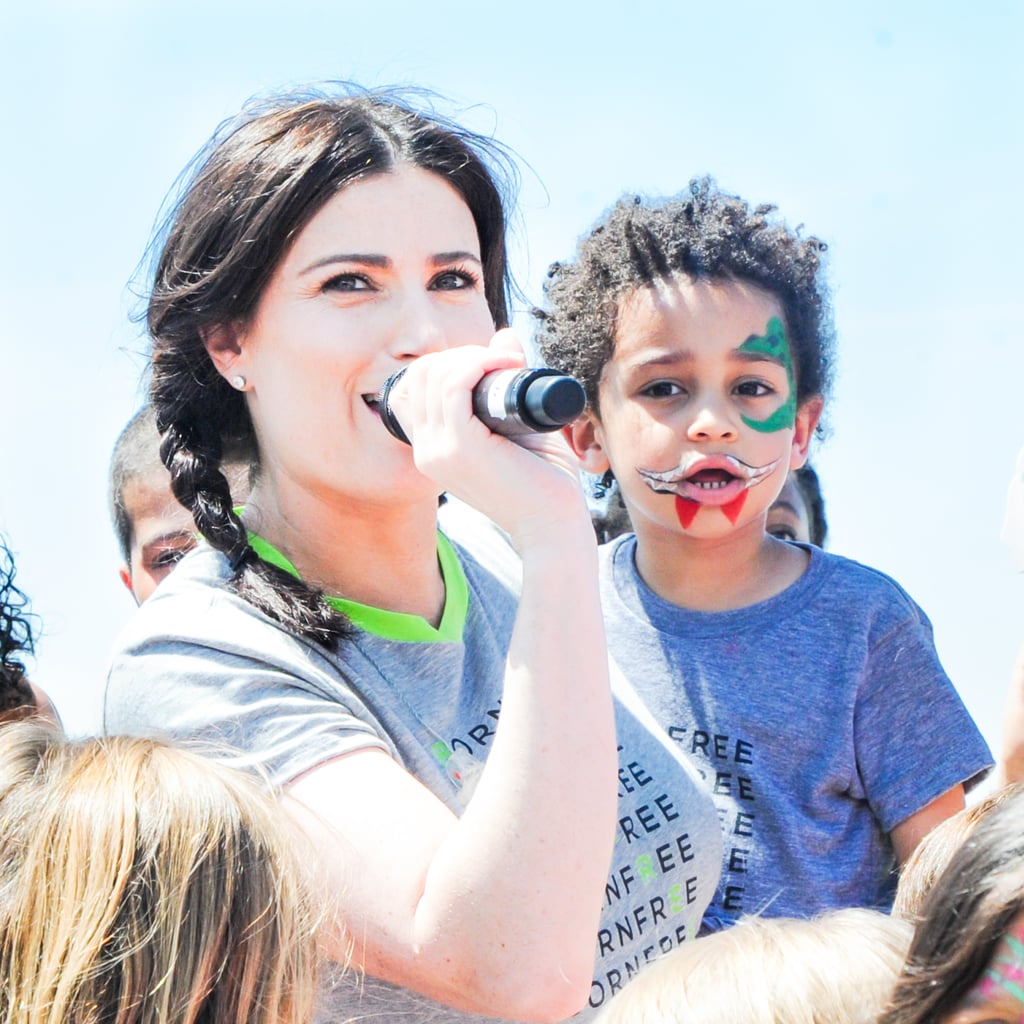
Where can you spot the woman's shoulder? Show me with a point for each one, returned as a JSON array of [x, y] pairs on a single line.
[[194, 623]]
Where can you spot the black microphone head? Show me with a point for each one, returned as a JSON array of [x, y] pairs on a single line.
[[554, 399]]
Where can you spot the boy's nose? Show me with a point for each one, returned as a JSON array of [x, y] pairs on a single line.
[[711, 422]]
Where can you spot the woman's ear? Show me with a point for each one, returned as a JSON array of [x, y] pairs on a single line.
[[223, 346], [807, 416], [585, 438]]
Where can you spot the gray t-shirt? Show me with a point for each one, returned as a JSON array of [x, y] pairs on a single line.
[[198, 664], [819, 719]]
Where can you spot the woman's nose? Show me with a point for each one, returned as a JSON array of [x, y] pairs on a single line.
[[420, 329]]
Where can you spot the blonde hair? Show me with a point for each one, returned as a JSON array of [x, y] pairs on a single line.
[[837, 968], [143, 884]]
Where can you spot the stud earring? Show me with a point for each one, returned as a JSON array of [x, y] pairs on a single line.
[[238, 382]]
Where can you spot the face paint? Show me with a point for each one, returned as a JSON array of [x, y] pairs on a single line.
[[775, 345], [676, 482], [1006, 971], [734, 508], [686, 510], [1002, 981]]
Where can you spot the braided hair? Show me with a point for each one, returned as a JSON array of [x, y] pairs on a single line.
[[703, 233], [262, 178]]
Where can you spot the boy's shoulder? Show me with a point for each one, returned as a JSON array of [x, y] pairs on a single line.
[[847, 575], [830, 583]]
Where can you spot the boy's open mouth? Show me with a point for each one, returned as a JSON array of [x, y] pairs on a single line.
[[708, 479]]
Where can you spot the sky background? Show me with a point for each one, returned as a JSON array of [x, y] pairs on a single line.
[[892, 130]]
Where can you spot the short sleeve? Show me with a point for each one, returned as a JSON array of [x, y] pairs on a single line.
[[913, 736], [262, 699]]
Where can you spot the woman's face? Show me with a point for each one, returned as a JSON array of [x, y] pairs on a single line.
[[997, 997], [388, 270]]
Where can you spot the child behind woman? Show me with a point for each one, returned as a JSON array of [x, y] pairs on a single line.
[[806, 686]]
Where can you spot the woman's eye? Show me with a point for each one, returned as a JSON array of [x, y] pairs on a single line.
[[347, 283], [661, 389], [453, 280], [782, 532]]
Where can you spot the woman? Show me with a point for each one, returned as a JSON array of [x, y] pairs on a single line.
[[144, 885], [331, 633]]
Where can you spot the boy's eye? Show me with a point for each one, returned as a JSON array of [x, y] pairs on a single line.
[[661, 389], [170, 557], [782, 532], [754, 389]]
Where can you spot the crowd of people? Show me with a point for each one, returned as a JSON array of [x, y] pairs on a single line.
[[426, 729]]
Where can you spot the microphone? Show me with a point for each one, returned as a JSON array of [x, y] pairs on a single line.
[[509, 402]]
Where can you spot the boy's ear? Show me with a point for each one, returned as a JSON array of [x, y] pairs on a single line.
[[223, 346], [126, 577], [807, 417], [585, 438]]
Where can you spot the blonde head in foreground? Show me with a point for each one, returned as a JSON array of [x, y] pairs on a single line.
[[143, 884], [839, 968]]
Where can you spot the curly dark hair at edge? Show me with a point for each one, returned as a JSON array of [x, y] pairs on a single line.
[[264, 175], [703, 233], [810, 487], [15, 637], [965, 914]]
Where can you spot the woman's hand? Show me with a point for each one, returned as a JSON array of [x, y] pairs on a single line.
[[525, 485]]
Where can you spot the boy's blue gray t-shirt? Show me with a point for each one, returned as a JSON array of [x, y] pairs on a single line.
[[198, 664], [820, 719]]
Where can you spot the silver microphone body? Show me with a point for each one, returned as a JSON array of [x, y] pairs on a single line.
[[510, 402]]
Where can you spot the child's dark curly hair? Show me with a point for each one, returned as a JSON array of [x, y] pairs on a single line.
[[703, 233], [15, 637]]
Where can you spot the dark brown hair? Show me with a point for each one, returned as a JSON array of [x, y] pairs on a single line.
[[261, 179]]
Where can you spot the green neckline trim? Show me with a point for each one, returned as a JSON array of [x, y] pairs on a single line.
[[396, 625]]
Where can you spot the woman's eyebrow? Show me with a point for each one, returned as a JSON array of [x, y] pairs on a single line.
[[455, 256], [366, 259]]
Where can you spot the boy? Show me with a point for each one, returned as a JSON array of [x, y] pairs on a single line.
[[805, 686], [154, 531]]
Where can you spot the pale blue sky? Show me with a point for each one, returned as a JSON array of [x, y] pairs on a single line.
[[893, 131]]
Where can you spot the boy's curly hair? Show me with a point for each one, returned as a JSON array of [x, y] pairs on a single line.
[[15, 637], [703, 233]]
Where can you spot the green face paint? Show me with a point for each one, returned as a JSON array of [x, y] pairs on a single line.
[[775, 345]]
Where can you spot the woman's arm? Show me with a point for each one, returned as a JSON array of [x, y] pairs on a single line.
[[495, 912]]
